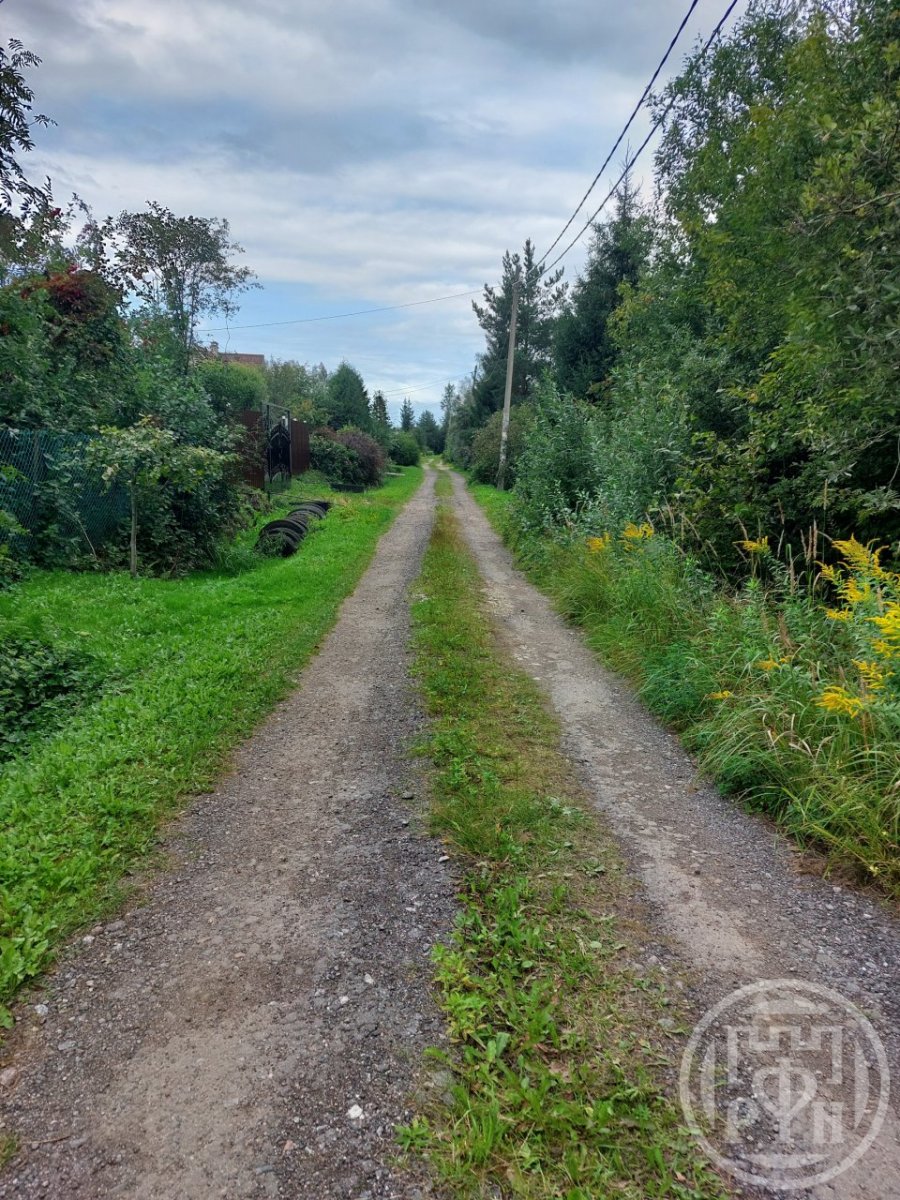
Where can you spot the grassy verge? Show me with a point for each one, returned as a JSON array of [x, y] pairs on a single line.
[[791, 700], [561, 1067], [183, 670]]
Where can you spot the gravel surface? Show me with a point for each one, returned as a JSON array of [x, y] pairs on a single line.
[[255, 1028], [725, 887]]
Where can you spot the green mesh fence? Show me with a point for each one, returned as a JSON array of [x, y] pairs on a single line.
[[48, 497]]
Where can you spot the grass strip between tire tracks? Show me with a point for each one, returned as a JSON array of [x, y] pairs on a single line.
[[562, 1046], [189, 667]]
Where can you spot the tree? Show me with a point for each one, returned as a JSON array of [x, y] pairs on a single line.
[[450, 401], [381, 422], [232, 387], [347, 401], [585, 349], [179, 267], [20, 200], [429, 434], [379, 410], [407, 416], [143, 457], [540, 297], [300, 387]]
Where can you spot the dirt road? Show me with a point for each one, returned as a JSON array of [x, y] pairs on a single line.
[[255, 1027], [722, 885]]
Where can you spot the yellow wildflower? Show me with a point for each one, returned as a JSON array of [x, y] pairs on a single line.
[[889, 623], [598, 544], [838, 614], [719, 695], [769, 664], [838, 700], [755, 546], [871, 672], [637, 533], [828, 572], [883, 649], [859, 557], [853, 593]]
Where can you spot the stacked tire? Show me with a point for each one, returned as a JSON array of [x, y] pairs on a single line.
[[283, 536]]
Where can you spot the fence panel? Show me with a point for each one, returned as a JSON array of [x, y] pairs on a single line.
[[47, 490]]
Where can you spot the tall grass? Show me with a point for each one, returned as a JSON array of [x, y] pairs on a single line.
[[790, 698]]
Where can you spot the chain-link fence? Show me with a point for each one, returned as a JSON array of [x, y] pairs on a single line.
[[48, 498]]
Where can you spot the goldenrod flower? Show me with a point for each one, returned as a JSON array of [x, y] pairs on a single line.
[[871, 672], [889, 622], [769, 664], [853, 593], [838, 614], [755, 546], [725, 695], [838, 700], [860, 558], [598, 544], [637, 533], [828, 572]]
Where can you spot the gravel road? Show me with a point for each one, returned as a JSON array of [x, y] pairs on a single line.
[[255, 1027], [729, 892]]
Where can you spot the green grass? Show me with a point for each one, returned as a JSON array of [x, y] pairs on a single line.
[[741, 677], [562, 1055], [185, 669]]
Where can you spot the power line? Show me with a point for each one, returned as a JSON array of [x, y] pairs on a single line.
[[362, 312], [628, 124], [630, 163]]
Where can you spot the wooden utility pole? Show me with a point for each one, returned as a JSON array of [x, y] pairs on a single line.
[[507, 394]]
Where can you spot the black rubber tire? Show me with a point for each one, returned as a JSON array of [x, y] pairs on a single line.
[[288, 533]]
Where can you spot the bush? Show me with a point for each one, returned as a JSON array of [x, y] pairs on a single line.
[[371, 455], [404, 449], [484, 456], [232, 387], [347, 458], [340, 465]]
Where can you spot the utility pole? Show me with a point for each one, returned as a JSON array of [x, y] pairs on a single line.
[[507, 394]]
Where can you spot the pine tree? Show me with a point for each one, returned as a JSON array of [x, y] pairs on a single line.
[[585, 351], [379, 410], [407, 416], [347, 402], [429, 433], [540, 298]]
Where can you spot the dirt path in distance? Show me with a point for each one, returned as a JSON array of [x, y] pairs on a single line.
[[722, 885], [254, 1028]]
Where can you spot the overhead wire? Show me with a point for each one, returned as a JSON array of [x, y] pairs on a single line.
[[634, 112], [630, 163], [362, 312]]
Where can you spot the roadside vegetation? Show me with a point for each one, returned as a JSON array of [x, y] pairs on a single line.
[[562, 1045], [788, 696], [152, 683], [703, 444]]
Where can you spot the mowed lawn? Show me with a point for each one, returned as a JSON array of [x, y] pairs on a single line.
[[185, 669]]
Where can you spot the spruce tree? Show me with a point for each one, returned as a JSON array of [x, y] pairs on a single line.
[[407, 416]]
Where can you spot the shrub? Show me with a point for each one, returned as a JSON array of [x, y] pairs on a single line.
[[232, 387], [340, 464], [371, 456], [484, 458], [404, 449]]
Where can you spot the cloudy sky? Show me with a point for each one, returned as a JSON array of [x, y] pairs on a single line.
[[365, 152]]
